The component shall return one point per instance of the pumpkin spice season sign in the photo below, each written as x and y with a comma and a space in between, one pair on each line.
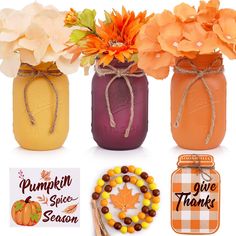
45, 197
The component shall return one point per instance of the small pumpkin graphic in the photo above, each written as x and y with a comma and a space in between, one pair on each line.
26, 212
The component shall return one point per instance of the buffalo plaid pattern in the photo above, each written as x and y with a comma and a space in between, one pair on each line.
194, 219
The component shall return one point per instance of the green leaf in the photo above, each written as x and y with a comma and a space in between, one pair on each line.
108, 18
87, 19
87, 60
77, 35
18, 206
34, 217
134, 58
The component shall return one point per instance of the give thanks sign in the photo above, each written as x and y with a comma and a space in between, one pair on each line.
195, 195
45, 197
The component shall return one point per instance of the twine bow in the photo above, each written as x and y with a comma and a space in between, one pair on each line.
125, 74
33, 74
200, 74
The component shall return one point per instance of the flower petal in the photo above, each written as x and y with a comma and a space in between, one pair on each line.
185, 12
165, 18
11, 65
65, 65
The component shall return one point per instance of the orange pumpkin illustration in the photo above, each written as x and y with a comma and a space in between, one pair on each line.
26, 212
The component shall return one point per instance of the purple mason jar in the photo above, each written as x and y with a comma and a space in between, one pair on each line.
119, 106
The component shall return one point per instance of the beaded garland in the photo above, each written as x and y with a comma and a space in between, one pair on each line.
147, 186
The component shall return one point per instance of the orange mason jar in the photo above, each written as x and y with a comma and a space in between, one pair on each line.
40, 107
198, 102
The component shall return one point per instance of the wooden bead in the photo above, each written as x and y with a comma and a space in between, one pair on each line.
131, 169
122, 215
133, 180
141, 215
138, 227
145, 209
131, 229
98, 189
150, 180
156, 192
106, 178
111, 173
113, 183
152, 213
126, 179
127, 220
104, 202
105, 210
149, 219
117, 225
144, 175
156, 200
111, 222
108, 188
144, 189
95, 196
148, 195
124, 169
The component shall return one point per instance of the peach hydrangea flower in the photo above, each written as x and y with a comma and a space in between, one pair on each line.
196, 39
186, 32
150, 49
33, 35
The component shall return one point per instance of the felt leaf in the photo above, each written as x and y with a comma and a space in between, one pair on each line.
18, 206
71, 209
77, 35
46, 175
87, 19
125, 200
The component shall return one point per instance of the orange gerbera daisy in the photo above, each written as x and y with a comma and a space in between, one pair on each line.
111, 39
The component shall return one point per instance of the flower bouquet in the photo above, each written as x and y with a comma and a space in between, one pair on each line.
192, 42
119, 87
32, 43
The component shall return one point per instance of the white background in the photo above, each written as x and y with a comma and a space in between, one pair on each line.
158, 155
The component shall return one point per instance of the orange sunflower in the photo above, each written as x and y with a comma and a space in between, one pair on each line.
111, 39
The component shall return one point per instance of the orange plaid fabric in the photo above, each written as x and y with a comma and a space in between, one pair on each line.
195, 201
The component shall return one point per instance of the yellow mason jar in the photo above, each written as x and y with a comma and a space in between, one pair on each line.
40, 107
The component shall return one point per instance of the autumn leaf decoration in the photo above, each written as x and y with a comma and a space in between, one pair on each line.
43, 199
71, 209
45, 175
125, 200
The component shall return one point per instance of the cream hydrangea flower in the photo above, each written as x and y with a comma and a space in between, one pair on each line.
33, 35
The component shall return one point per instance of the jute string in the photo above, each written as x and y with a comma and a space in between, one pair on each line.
100, 228
119, 73
33, 74
200, 75
197, 165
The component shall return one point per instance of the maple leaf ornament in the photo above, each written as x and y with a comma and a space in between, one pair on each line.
125, 200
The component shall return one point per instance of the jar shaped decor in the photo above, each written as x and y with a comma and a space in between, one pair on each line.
119, 87
192, 42
39, 63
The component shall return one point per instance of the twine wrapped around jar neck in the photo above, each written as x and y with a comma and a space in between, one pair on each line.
119, 73
199, 75
33, 73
